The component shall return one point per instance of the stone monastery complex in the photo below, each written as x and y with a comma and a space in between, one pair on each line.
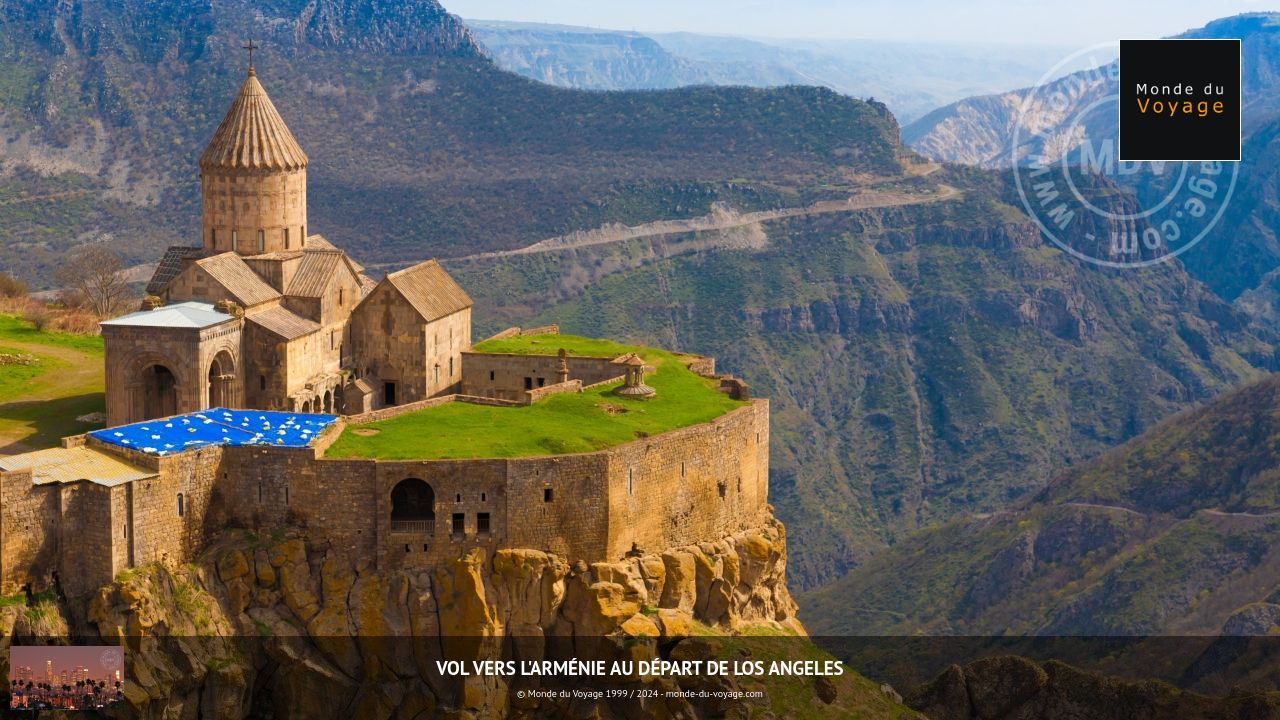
259, 348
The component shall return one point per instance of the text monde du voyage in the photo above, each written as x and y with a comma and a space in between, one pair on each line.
1181, 99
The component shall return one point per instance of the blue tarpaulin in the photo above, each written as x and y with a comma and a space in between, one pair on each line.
217, 426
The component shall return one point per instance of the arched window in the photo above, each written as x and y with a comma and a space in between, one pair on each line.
262, 241
413, 507
181, 508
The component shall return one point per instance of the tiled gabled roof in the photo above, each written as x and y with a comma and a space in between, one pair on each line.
170, 265
314, 273
234, 274
283, 322
253, 136
430, 290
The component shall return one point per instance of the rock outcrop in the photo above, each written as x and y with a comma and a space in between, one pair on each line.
295, 626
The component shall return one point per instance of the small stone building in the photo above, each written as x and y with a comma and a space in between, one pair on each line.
264, 314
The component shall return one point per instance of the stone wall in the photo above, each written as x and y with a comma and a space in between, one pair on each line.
679, 488
392, 344
188, 353
508, 376
688, 485
245, 202
28, 532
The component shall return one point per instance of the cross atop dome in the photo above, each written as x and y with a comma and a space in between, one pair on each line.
251, 47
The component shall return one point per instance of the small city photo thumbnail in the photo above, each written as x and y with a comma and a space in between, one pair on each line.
65, 677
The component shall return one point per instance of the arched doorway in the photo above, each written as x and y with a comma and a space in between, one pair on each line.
306, 406
159, 392
339, 404
413, 507
222, 380
328, 401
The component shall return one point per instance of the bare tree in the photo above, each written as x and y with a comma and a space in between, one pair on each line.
97, 275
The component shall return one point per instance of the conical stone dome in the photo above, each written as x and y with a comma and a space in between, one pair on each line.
253, 136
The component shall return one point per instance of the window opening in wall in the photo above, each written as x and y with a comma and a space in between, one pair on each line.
482, 523
388, 393
450, 367
457, 498
235, 239
631, 481
459, 523
739, 483
491, 375
406, 547
342, 294
286, 238
181, 509
546, 494
542, 382
262, 241
482, 497
720, 488
528, 383
124, 530
262, 382
681, 469
213, 238
286, 494
424, 547
435, 371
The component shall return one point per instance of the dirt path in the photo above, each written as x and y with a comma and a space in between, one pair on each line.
85, 368
719, 218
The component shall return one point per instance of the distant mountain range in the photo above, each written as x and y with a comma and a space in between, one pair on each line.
1174, 533
979, 130
911, 78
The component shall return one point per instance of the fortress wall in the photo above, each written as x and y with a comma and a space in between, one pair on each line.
159, 532
266, 487
84, 527
464, 487
574, 522
691, 485
28, 531
500, 375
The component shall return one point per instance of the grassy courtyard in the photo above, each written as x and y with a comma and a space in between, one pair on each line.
48, 380
566, 423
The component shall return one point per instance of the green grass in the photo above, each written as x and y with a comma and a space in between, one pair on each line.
15, 328
15, 380
551, 344
40, 403
566, 423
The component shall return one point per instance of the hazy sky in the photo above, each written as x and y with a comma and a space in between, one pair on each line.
1040, 22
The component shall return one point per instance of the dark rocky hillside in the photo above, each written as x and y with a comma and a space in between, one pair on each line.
922, 361
419, 146
1173, 533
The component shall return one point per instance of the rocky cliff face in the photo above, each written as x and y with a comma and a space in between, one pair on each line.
289, 625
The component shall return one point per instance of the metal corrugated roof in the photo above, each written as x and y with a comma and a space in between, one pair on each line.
231, 272
64, 465
283, 322
430, 290
178, 315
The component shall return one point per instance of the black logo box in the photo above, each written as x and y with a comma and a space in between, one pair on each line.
1189, 64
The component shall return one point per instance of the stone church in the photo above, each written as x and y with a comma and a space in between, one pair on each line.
264, 314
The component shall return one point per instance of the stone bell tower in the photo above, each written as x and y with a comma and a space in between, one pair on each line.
253, 179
